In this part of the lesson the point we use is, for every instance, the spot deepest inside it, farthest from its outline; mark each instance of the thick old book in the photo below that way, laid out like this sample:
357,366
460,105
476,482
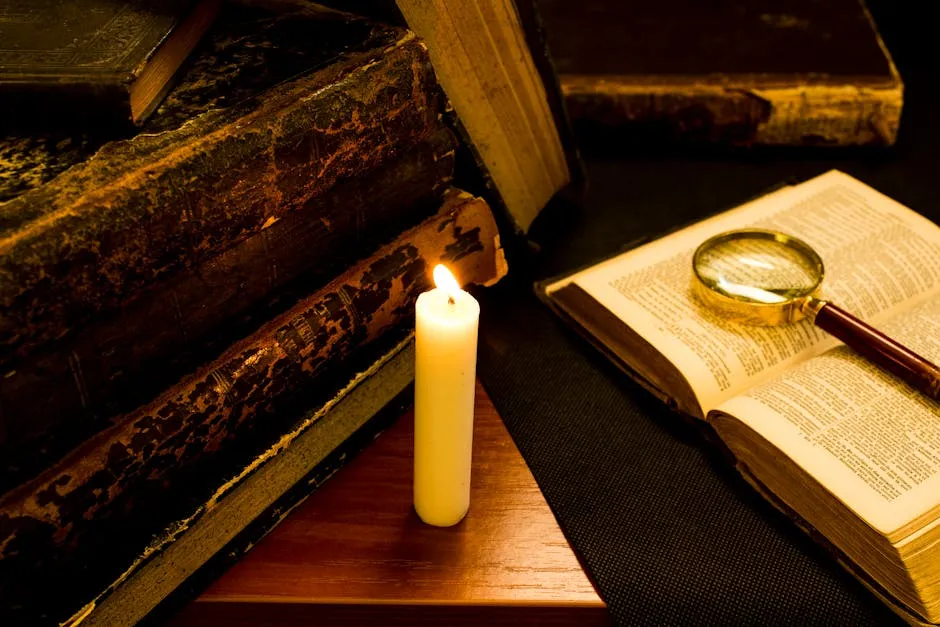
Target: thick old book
67,524
791,72
852,452
260,169
122,358
250,140
87,61
488,57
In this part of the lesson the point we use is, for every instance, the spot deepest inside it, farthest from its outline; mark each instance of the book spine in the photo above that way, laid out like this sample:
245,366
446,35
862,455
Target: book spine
798,115
124,358
533,27
255,380
326,437
144,208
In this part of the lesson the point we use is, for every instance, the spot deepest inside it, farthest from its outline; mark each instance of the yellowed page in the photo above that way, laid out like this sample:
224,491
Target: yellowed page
869,439
879,257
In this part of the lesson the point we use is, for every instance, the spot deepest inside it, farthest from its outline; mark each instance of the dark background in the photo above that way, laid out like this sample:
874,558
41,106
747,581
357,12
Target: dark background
666,528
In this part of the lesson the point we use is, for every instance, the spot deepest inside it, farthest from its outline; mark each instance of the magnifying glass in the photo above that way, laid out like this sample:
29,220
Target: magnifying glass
764,277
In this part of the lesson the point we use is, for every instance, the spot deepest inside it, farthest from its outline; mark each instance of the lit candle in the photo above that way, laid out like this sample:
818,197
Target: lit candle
446,321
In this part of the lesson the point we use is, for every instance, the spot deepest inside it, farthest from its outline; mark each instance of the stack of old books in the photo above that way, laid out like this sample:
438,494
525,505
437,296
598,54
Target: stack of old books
207,281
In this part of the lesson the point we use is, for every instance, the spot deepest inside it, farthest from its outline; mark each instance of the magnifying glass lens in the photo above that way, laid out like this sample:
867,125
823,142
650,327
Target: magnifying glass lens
757,268
765,277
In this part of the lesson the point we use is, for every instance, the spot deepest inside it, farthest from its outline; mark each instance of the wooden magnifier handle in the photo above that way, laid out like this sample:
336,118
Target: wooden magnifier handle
880,349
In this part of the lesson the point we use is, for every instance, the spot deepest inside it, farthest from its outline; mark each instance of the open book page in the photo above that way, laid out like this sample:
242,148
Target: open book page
872,441
879,257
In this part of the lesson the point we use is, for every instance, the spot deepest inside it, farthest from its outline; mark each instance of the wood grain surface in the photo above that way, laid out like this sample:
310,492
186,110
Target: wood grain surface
356,553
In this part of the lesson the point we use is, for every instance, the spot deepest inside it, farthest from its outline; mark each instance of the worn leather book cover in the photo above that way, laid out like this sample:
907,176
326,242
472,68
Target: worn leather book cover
123,358
298,138
64,63
787,72
75,526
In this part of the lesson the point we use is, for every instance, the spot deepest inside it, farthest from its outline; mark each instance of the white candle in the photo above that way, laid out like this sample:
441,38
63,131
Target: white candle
446,320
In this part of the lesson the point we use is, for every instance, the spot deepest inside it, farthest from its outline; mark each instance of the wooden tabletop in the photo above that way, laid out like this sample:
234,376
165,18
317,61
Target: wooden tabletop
355,552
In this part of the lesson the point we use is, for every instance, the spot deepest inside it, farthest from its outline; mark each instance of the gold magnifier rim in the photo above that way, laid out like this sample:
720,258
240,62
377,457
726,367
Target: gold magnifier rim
784,312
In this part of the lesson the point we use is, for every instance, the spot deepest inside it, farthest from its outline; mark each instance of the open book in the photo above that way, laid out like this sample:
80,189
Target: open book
847,448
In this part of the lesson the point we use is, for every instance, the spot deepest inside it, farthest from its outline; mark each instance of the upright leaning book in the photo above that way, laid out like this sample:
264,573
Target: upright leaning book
850,451
504,96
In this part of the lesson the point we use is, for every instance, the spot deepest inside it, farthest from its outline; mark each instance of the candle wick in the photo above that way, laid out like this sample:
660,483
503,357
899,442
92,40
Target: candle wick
451,301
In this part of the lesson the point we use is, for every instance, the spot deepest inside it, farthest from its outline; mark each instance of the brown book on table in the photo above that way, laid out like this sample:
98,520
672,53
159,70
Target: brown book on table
86,526
851,452
794,72
84,60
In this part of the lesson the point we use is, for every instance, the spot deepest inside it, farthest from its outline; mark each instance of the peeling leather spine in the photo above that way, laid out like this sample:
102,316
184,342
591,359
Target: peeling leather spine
47,518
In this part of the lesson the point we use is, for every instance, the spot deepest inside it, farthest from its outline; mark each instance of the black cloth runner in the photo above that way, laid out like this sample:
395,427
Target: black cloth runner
668,531
664,525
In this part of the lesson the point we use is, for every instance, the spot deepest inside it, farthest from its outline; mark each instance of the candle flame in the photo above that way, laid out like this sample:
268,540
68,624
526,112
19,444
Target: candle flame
443,279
